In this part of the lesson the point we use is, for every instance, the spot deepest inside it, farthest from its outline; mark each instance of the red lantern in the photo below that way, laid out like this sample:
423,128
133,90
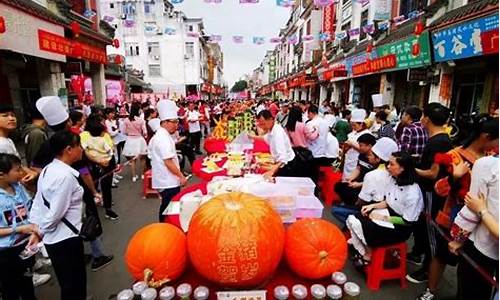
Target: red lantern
369,48
2,25
75,28
118,60
419,27
116,43
415,50
77,50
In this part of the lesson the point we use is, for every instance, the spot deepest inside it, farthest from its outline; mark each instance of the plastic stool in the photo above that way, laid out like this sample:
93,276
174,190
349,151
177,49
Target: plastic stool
327,180
378,270
147,190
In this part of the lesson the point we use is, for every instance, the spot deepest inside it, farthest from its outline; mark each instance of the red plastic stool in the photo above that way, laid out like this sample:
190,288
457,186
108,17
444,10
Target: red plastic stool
327,180
147,189
378,270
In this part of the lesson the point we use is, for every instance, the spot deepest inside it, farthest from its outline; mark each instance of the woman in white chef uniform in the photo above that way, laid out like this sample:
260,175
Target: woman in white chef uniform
351,146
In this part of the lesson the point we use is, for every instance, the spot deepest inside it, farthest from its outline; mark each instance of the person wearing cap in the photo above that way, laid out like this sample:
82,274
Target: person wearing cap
389,221
351,146
167,177
374,182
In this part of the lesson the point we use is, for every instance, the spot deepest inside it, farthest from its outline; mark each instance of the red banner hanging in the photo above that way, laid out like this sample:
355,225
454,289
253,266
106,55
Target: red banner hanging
58,44
375,65
329,18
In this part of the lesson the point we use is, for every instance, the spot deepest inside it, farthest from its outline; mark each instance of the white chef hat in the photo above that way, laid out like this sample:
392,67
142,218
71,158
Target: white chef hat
384,148
167,110
378,100
154,124
358,115
52,110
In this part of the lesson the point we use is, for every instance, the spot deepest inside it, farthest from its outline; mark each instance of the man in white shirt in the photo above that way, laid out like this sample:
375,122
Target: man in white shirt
167,177
281,148
318,131
193,118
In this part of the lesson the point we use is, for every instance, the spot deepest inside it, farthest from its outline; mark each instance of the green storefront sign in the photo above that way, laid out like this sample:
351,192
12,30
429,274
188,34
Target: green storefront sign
403,51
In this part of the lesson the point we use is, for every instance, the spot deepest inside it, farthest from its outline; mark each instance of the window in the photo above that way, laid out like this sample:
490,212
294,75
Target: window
346,26
131,49
154,51
154,70
407,6
189,28
364,21
148,8
190,49
308,26
111,5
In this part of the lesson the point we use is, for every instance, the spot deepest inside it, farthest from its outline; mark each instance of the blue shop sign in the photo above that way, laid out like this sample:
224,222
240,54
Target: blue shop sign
463,40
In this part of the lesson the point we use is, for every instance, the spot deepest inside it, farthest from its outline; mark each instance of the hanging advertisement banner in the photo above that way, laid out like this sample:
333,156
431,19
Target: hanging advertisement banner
329,19
54,43
468,39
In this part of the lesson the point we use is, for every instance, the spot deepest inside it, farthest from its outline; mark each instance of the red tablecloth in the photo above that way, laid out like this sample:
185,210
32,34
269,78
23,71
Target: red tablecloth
282,276
213,145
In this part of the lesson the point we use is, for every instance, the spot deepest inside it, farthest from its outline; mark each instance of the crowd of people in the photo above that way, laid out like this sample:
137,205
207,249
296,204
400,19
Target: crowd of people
401,176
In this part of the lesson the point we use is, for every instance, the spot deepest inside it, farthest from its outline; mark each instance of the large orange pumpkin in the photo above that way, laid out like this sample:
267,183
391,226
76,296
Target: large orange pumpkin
236,240
315,248
157,252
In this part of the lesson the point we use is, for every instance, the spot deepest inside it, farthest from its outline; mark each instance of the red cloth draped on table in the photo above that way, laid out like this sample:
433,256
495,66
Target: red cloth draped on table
213,145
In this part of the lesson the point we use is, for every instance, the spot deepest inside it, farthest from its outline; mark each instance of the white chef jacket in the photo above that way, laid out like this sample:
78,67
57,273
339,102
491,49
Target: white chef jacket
59,185
161,147
484,180
279,142
407,200
332,146
375,184
351,156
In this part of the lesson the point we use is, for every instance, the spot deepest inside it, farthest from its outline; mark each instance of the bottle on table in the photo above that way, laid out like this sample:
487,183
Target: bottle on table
334,292
299,292
281,292
127,294
351,291
318,291
138,288
149,294
167,293
184,291
201,293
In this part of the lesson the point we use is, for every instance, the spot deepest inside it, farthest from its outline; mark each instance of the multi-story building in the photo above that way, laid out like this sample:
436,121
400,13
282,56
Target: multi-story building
167,45
45,43
410,51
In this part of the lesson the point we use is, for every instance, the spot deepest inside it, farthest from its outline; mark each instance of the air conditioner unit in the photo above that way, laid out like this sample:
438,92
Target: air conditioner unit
123,16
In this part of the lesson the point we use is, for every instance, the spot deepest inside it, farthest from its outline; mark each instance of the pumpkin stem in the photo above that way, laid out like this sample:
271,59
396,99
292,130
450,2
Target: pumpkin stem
148,278
323,254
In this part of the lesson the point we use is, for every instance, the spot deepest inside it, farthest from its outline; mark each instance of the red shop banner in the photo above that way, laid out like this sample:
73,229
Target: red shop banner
58,44
375,65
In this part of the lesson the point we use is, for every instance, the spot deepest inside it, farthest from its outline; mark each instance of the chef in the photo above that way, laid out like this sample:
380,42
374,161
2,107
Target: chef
281,148
167,177
351,146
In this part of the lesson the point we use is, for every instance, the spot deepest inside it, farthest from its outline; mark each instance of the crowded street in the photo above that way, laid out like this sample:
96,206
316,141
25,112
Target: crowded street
249,149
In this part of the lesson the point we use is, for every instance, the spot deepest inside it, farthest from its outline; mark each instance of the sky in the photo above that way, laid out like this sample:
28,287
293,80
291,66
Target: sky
231,18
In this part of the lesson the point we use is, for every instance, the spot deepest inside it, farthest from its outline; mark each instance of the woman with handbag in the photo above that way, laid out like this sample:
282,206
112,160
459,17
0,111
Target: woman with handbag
57,210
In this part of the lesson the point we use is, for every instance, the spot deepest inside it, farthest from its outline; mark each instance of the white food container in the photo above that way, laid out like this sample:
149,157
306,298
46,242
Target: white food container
309,207
303,185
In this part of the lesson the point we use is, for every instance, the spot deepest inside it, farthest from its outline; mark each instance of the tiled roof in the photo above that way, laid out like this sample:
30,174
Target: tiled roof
466,12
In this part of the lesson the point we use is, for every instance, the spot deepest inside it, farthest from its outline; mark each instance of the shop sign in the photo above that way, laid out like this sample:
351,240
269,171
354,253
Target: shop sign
403,51
21,33
54,43
417,75
375,65
468,39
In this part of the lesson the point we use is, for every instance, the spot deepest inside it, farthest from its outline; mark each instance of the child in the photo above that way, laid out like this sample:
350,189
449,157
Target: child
16,232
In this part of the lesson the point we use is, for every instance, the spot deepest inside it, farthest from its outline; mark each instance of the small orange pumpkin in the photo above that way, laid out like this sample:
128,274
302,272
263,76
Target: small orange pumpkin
315,248
236,240
157,253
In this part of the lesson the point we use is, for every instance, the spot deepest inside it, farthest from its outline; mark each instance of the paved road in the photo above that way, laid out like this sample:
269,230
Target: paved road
135,212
